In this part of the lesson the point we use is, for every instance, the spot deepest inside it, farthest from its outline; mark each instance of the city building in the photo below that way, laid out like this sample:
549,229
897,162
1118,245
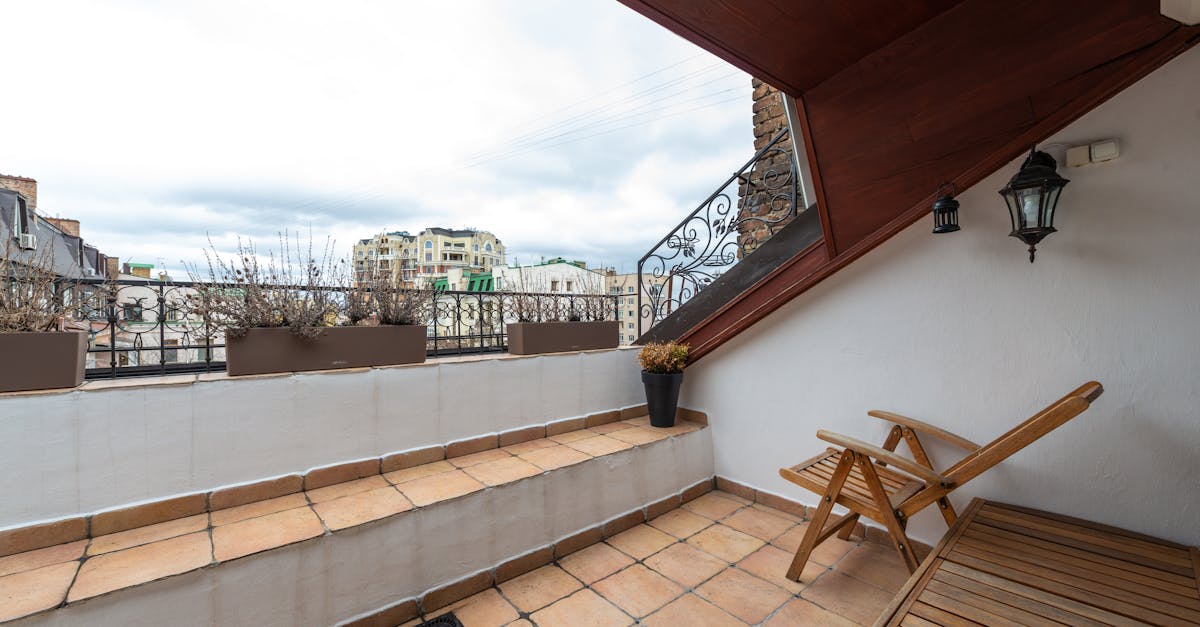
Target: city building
26,232
552,276
464,280
391,254
421,260
625,287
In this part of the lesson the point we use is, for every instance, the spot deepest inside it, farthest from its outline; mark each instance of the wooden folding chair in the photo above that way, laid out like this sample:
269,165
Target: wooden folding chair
879,484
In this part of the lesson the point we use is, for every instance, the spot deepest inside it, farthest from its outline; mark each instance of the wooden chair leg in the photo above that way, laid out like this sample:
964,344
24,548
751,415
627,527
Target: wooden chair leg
893,440
894,526
919,454
947,511
848,527
817,524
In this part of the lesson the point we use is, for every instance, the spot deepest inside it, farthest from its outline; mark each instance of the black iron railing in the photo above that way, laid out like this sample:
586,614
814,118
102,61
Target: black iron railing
143,327
761,197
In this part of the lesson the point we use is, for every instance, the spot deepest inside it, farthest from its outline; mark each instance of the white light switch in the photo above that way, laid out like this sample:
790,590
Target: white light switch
1106,150
1079,156
1185,11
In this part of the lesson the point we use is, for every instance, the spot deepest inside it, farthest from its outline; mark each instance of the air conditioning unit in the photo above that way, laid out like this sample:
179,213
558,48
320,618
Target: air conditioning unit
28,241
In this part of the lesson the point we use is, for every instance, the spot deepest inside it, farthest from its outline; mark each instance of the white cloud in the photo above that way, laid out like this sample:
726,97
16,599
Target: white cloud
156,123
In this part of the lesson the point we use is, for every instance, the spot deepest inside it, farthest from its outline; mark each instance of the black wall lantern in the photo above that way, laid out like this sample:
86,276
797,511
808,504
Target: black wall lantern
945,209
1032,196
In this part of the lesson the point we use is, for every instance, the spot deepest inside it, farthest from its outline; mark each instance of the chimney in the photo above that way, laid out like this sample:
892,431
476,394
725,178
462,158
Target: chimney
24,186
112,267
140,270
70,227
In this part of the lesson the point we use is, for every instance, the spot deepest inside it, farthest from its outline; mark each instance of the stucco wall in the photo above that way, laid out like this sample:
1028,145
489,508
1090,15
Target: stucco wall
355,571
961,331
98,447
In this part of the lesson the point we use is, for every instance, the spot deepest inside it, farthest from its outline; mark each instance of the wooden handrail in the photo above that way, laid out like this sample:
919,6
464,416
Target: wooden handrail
883,455
928,429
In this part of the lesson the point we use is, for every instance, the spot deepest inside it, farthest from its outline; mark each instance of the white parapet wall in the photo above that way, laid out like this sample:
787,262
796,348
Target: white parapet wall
109,444
349,573
960,330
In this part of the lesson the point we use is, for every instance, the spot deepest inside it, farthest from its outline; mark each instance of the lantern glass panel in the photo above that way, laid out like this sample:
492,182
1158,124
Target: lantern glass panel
1051,204
1030,203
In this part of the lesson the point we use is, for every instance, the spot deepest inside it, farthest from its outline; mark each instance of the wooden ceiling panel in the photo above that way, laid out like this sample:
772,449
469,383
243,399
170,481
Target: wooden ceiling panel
893,103
950,94
793,45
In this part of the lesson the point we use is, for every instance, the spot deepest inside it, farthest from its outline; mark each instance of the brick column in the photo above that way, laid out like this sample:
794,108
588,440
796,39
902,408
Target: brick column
769,119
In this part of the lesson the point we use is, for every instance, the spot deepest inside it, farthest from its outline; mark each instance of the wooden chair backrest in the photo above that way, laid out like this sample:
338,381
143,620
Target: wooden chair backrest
1023,434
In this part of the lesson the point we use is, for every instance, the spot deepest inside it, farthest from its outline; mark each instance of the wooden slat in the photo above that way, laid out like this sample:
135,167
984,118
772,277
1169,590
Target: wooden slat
854,485
889,478
1166,577
1041,611
917,621
1090,524
1070,605
1120,570
1005,566
1084,543
1002,614
938,615
1114,587
1158,550
896,611
933,596
1002,567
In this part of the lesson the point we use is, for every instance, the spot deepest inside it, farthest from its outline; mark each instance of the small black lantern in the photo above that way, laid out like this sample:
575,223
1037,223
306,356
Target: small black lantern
945,209
1031,196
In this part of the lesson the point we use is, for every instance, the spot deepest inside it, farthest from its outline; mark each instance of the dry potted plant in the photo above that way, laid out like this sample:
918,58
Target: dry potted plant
397,314
662,374
40,351
558,322
295,313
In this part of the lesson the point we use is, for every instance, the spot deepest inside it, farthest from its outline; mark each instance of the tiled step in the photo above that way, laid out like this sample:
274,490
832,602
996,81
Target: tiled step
397,512
719,560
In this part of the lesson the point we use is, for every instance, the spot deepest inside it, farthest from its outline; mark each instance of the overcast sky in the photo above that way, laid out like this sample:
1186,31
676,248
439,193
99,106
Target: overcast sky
572,127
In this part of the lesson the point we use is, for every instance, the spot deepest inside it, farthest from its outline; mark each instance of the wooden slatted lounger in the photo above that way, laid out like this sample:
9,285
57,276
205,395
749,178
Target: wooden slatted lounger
1008,565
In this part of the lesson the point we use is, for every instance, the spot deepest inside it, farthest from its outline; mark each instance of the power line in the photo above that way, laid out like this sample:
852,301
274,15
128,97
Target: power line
605,92
610,116
612,120
635,96
613,130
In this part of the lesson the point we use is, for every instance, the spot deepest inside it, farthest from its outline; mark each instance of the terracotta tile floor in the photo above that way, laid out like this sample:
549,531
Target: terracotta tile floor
717,561
42,579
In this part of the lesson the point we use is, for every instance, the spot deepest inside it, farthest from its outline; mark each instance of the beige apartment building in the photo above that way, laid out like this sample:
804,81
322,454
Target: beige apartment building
391,254
420,260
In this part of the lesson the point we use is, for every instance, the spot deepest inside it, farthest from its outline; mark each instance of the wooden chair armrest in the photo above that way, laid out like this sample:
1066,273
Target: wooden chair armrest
928,429
883,455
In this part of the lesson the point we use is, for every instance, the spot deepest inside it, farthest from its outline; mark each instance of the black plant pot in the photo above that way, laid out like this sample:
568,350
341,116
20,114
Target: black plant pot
662,397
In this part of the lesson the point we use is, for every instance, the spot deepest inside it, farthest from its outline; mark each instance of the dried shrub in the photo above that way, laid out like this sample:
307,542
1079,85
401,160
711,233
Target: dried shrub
663,358
296,290
379,300
31,294
529,299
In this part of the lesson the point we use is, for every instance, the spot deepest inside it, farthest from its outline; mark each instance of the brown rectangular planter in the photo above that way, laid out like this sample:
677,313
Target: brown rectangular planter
263,351
41,361
532,338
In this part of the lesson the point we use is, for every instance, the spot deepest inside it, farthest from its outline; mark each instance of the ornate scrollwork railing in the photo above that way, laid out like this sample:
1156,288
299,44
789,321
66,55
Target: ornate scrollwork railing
142,327
749,207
